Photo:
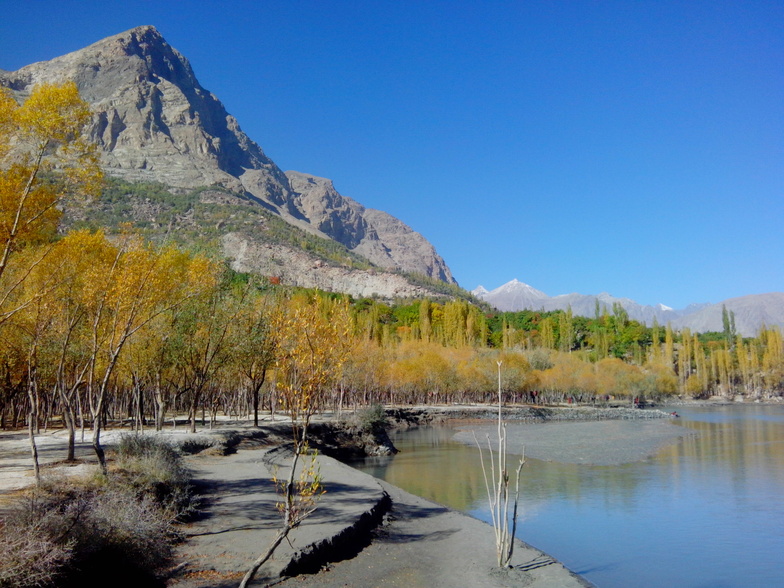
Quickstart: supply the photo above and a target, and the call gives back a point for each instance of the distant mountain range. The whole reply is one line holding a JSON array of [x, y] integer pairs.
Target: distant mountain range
[[751, 312]]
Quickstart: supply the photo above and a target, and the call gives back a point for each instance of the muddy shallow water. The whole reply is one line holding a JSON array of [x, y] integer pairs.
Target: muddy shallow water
[[588, 443], [689, 502]]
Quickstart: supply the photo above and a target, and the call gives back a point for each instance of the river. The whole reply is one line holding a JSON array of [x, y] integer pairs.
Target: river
[[705, 508]]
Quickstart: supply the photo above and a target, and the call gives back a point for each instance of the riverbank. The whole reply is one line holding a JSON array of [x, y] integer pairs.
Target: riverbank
[[364, 533], [403, 417], [239, 518], [602, 442]]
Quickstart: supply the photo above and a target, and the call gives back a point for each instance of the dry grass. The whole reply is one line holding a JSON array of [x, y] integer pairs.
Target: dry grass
[[67, 528]]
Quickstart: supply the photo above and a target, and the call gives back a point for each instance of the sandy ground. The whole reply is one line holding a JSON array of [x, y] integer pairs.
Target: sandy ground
[[419, 544], [16, 470], [424, 545]]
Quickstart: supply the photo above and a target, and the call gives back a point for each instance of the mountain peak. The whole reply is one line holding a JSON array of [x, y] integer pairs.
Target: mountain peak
[[141, 39], [516, 285], [512, 296], [147, 43], [154, 122], [751, 311]]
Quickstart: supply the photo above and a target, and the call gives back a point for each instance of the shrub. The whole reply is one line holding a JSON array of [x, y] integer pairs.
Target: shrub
[[29, 556], [372, 419], [151, 466], [539, 359], [83, 529]]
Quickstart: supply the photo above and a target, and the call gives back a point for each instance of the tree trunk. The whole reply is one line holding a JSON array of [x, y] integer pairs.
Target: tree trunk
[[32, 423], [33, 446], [264, 556], [99, 452], [70, 424]]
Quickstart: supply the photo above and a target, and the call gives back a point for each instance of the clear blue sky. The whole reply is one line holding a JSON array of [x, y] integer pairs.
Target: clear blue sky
[[630, 147]]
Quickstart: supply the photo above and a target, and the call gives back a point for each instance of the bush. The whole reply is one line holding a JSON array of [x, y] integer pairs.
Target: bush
[[29, 556], [539, 359], [372, 419], [151, 466], [86, 529]]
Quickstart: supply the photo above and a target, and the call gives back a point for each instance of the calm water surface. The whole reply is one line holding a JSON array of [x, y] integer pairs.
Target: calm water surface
[[705, 511]]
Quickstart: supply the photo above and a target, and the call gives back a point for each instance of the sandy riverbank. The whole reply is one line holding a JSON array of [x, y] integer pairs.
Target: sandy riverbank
[[415, 542]]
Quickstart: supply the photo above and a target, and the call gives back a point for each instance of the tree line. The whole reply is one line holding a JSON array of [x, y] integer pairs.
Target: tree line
[[97, 328]]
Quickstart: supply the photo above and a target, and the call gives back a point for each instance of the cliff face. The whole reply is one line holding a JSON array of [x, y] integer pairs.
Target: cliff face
[[294, 267], [154, 122], [377, 236]]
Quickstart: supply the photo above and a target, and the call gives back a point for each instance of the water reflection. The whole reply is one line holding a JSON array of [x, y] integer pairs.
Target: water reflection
[[705, 511], [432, 466]]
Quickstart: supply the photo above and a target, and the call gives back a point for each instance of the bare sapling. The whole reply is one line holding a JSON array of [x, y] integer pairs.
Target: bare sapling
[[299, 499], [497, 483], [310, 353]]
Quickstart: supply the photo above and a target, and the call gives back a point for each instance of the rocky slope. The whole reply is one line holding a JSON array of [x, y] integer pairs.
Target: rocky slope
[[154, 122], [375, 235], [295, 267]]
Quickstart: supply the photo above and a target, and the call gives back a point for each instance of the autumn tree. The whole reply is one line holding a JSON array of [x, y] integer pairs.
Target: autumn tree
[[71, 260], [203, 327], [364, 374], [253, 343], [313, 343], [312, 347], [123, 295], [43, 160]]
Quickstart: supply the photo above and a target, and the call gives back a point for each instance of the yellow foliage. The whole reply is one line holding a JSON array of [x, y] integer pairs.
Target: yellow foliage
[[568, 375], [314, 339], [42, 135]]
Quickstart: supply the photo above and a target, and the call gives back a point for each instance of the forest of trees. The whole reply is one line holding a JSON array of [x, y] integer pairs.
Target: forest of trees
[[97, 328]]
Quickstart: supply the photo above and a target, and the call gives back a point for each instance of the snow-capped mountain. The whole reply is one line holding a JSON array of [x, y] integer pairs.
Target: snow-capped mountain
[[514, 295], [751, 312]]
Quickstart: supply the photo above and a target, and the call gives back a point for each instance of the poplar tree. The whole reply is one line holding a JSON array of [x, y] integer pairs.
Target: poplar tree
[[43, 161]]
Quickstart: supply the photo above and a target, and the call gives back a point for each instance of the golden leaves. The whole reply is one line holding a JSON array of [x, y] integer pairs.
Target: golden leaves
[[299, 501], [52, 113], [43, 134], [7, 108], [37, 218], [313, 342]]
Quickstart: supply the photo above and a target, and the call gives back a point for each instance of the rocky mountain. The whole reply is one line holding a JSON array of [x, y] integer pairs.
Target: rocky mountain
[[514, 295], [154, 122], [751, 312], [373, 234], [293, 266]]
